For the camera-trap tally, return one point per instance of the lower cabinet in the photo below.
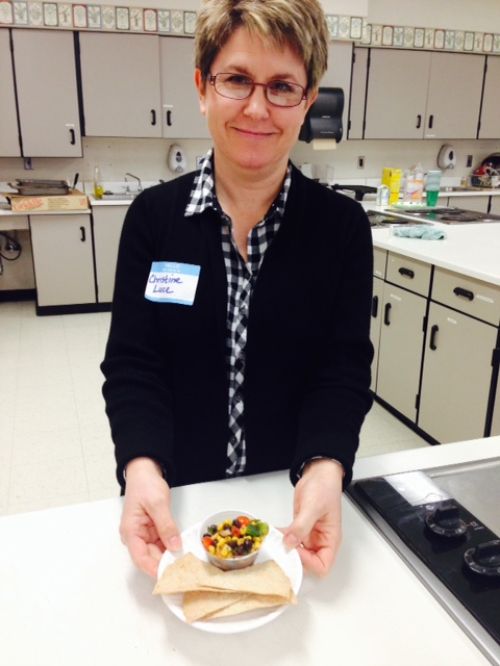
(400, 349)
(456, 375)
(63, 259)
(378, 295)
(108, 223)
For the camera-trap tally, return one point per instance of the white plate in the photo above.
(271, 549)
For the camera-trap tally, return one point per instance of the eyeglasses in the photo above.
(239, 86)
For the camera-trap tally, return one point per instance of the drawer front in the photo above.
(409, 273)
(474, 297)
(379, 262)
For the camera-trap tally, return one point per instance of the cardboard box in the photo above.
(75, 200)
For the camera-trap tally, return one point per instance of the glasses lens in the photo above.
(234, 86)
(284, 93)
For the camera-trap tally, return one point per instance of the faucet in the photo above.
(139, 188)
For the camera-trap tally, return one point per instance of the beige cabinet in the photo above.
(44, 62)
(396, 94)
(457, 371)
(456, 375)
(422, 94)
(490, 113)
(338, 74)
(63, 259)
(120, 84)
(108, 223)
(355, 126)
(181, 115)
(400, 349)
(375, 325)
(495, 205)
(454, 96)
(9, 130)
(495, 423)
(478, 203)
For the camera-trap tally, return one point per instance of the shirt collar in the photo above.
(203, 194)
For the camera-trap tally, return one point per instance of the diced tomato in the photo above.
(207, 542)
(235, 531)
(243, 520)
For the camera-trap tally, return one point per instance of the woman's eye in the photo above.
(281, 87)
(238, 80)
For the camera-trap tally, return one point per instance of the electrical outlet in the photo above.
(469, 161)
(361, 162)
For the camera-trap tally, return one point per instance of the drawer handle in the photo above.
(169, 118)
(431, 120)
(419, 121)
(153, 117)
(407, 272)
(83, 237)
(374, 307)
(72, 135)
(432, 342)
(469, 295)
(387, 310)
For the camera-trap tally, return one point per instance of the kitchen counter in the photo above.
(470, 249)
(70, 594)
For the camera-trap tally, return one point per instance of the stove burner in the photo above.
(461, 215)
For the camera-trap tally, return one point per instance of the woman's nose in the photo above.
(257, 105)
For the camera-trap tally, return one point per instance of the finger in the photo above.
(145, 556)
(166, 528)
(317, 562)
(300, 528)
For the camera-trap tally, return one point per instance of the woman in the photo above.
(239, 337)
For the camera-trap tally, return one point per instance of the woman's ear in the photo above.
(311, 98)
(201, 87)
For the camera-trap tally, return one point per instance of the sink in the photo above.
(119, 196)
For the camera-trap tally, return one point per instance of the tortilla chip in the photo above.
(248, 603)
(189, 574)
(198, 605)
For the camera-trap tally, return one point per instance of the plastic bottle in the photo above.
(433, 183)
(414, 186)
(98, 186)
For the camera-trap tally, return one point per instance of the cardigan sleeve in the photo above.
(136, 391)
(337, 396)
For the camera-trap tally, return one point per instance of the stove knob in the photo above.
(484, 559)
(445, 521)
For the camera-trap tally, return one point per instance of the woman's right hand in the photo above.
(147, 527)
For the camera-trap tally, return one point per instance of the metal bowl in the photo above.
(232, 563)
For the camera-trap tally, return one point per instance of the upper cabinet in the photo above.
(120, 84)
(181, 115)
(44, 62)
(490, 113)
(338, 74)
(9, 132)
(418, 94)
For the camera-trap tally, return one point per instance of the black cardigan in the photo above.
(308, 352)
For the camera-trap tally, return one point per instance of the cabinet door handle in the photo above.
(375, 307)
(469, 295)
(72, 135)
(153, 117)
(419, 121)
(169, 118)
(387, 310)
(83, 236)
(407, 272)
(431, 120)
(432, 341)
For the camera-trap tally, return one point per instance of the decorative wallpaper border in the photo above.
(65, 15)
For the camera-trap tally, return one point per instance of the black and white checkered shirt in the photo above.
(241, 278)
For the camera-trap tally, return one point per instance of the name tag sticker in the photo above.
(171, 282)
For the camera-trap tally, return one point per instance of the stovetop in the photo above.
(446, 215)
(446, 525)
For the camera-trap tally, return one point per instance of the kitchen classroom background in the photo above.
(55, 446)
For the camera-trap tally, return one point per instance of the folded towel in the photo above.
(425, 233)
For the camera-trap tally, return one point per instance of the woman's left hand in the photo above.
(316, 529)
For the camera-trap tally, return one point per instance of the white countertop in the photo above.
(70, 595)
(470, 249)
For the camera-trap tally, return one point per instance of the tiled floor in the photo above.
(55, 446)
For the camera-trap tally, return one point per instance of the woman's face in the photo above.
(252, 133)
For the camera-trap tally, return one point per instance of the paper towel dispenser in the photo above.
(324, 118)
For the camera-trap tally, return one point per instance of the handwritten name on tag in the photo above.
(172, 282)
